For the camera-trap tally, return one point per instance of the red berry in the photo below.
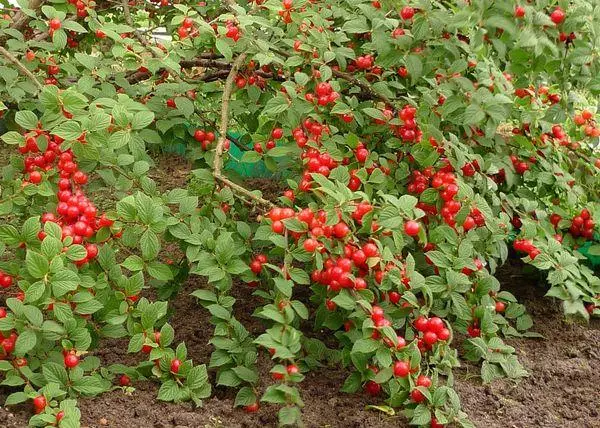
(55, 24)
(251, 408)
(557, 16)
(372, 388)
(401, 369)
(407, 13)
(310, 245)
(435, 324)
(277, 133)
(340, 230)
(411, 228)
(256, 266)
(39, 403)
(519, 12)
(421, 323)
(71, 360)
(124, 380)
(175, 364)
(430, 337)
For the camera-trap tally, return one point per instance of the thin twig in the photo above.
(218, 161)
(362, 85)
(21, 67)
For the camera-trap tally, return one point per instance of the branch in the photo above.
(20, 18)
(129, 22)
(227, 90)
(362, 85)
(21, 67)
(218, 162)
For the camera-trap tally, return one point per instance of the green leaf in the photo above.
(245, 396)
(16, 398)
(150, 245)
(25, 342)
(36, 264)
(64, 281)
(26, 119)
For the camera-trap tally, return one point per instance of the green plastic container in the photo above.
(593, 259)
(244, 169)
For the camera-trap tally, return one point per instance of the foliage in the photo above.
(418, 143)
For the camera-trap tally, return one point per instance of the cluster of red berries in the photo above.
(233, 32)
(473, 329)
(285, 13)
(75, 213)
(276, 134)
(323, 95)
(257, 263)
(526, 246)
(586, 118)
(186, 29)
(582, 225)
(364, 62)
(520, 166)
(409, 131)
(445, 182)
(433, 330)
(470, 168)
(205, 138)
(82, 7)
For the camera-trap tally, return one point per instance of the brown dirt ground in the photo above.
(561, 391)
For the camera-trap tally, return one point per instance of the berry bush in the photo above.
(416, 144)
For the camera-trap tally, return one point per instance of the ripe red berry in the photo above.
(252, 408)
(435, 324)
(411, 228)
(277, 133)
(407, 13)
(401, 369)
(372, 388)
(71, 360)
(39, 403)
(340, 230)
(175, 364)
(557, 16)
(421, 323)
(519, 12)
(310, 245)
(256, 266)
(124, 380)
(430, 337)
(55, 24)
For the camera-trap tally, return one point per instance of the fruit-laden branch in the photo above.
(21, 67)
(218, 161)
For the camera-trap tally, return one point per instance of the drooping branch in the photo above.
(218, 161)
(366, 88)
(21, 67)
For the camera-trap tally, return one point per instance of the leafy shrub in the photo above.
(418, 145)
